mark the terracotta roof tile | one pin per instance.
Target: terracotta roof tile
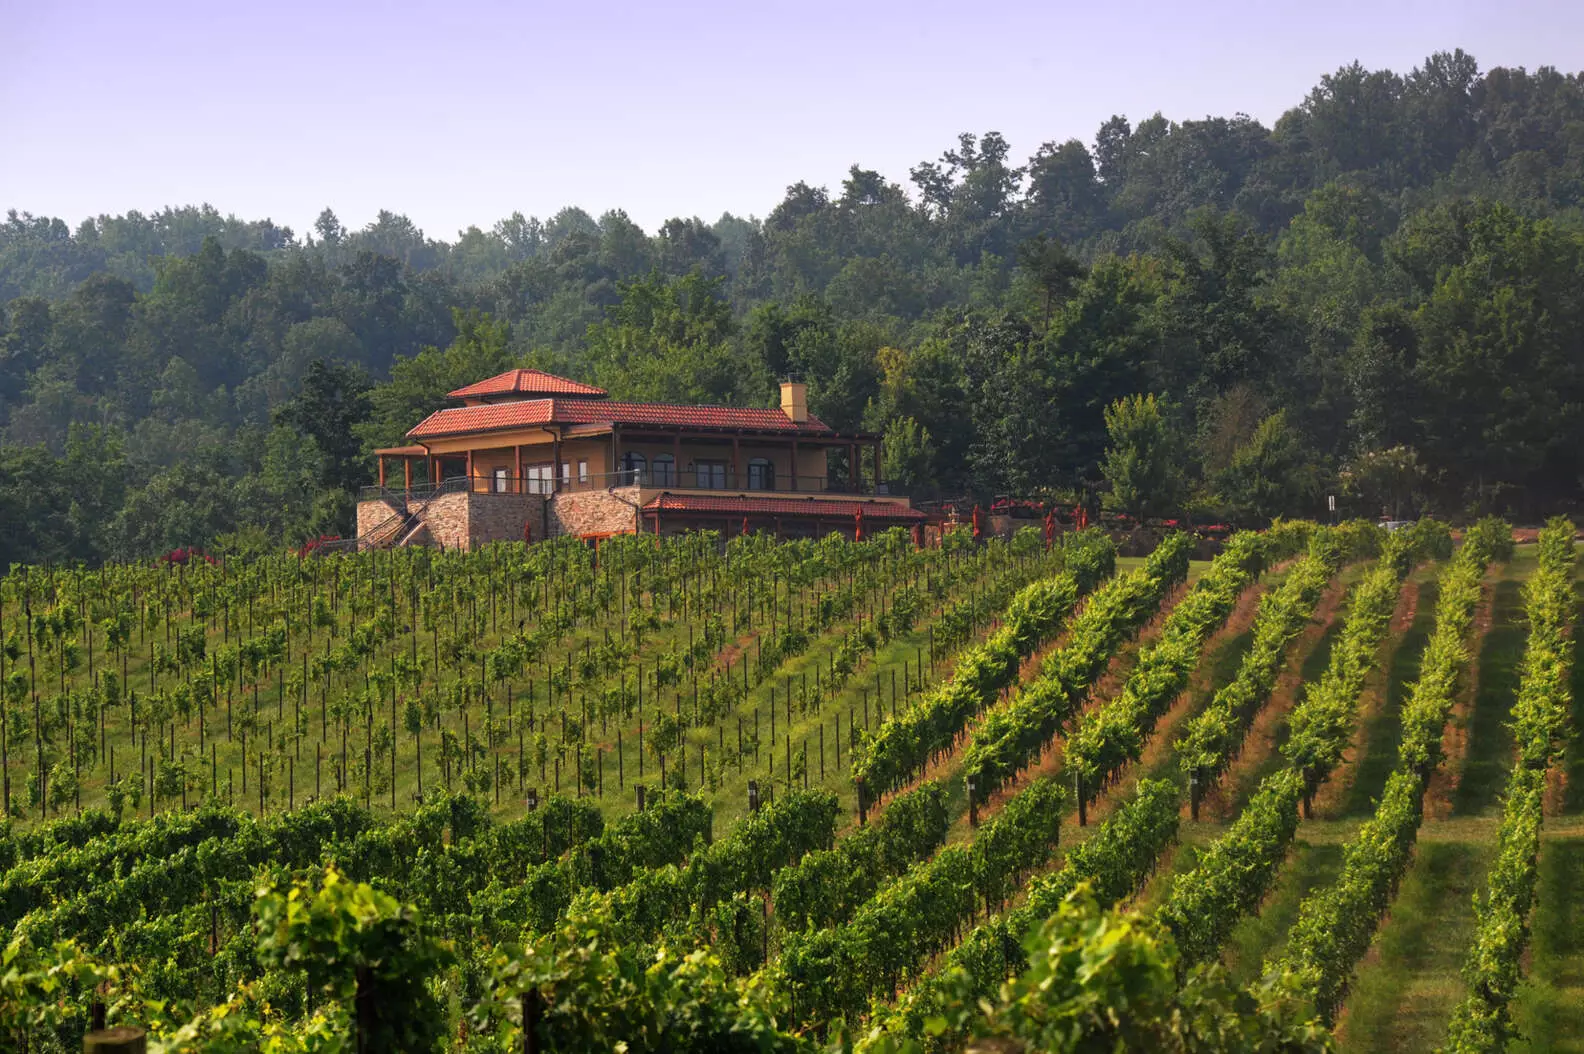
(526, 382)
(461, 419)
(737, 505)
(531, 412)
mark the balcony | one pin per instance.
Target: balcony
(706, 481)
(720, 479)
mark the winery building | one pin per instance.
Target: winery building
(527, 454)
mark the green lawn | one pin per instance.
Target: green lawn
(1404, 992)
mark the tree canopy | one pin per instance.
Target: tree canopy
(1381, 297)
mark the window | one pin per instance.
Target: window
(540, 480)
(664, 471)
(711, 475)
(633, 465)
(582, 471)
(502, 481)
(761, 474)
(566, 475)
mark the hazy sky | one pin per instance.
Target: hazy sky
(462, 112)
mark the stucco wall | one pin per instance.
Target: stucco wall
(592, 455)
(811, 461)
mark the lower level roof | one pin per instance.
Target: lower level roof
(824, 508)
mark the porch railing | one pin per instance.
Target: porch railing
(661, 479)
(719, 479)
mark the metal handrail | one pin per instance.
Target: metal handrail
(727, 480)
(671, 479)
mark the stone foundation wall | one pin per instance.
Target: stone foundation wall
(501, 517)
(467, 521)
(595, 512)
(372, 514)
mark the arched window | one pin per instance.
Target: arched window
(633, 465)
(664, 474)
(761, 474)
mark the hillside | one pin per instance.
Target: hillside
(1379, 297)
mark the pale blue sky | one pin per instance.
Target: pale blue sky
(462, 112)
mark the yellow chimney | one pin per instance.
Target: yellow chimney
(794, 400)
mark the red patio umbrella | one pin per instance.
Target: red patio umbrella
(1050, 528)
(978, 523)
(858, 525)
(745, 525)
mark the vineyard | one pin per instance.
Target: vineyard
(1317, 791)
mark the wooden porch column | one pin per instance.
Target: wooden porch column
(407, 474)
(517, 455)
(854, 468)
(615, 465)
(794, 479)
(879, 473)
(737, 480)
(555, 464)
(380, 461)
(676, 461)
(433, 471)
(472, 483)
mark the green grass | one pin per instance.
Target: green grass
(1573, 760)
(1549, 1010)
(1383, 729)
(1259, 937)
(1404, 991)
(1490, 743)
(1403, 994)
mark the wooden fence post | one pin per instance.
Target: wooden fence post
(122, 1039)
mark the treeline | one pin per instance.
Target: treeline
(1380, 297)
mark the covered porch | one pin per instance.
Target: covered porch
(784, 517)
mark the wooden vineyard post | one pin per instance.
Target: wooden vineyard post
(122, 1039)
(753, 796)
(973, 802)
(639, 788)
(1193, 795)
(533, 1010)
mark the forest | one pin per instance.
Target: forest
(1381, 297)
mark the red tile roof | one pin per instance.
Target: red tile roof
(738, 505)
(462, 419)
(528, 413)
(526, 382)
